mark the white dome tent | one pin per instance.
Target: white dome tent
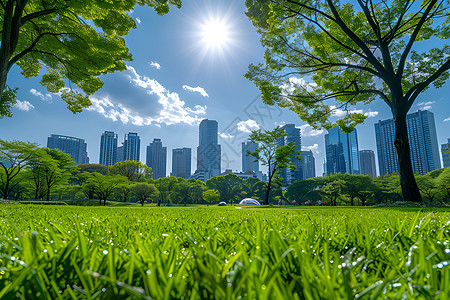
(249, 202)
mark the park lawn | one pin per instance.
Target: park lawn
(73, 252)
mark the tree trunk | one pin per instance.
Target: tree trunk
(10, 35)
(410, 190)
(266, 201)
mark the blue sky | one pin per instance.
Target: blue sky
(175, 80)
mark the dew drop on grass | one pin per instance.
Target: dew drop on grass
(105, 252)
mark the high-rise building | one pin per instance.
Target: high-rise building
(120, 153)
(157, 158)
(367, 161)
(308, 165)
(181, 162)
(423, 143)
(294, 136)
(445, 149)
(248, 163)
(342, 152)
(208, 151)
(108, 148)
(131, 147)
(77, 148)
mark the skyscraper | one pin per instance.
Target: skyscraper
(108, 148)
(76, 147)
(367, 160)
(445, 149)
(308, 165)
(131, 147)
(181, 162)
(157, 158)
(294, 136)
(120, 153)
(342, 152)
(423, 143)
(248, 163)
(208, 150)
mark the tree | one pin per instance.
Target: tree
(165, 186)
(91, 168)
(323, 51)
(133, 170)
(58, 169)
(143, 191)
(180, 192)
(227, 185)
(211, 196)
(14, 156)
(300, 190)
(443, 182)
(332, 190)
(271, 155)
(76, 40)
(196, 188)
(427, 186)
(103, 185)
(34, 173)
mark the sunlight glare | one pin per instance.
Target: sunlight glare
(215, 34)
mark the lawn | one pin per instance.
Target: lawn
(72, 252)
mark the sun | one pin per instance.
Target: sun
(215, 33)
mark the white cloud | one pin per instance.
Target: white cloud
(225, 135)
(156, 105)
(154, 64)
(371, 114)
(196, 89)
(47, 97)
(308, 131)
(295, 83)
(138, 20)
(426, 105)
(247, 126)
(23, 105)
(446, 120)
(314, 148)
(337, 112)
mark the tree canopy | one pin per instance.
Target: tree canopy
(322, 56)
(75, 40)
(272, 155)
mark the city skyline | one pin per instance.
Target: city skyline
(295, 130)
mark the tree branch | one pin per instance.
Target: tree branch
(412, 94)
(412, 39)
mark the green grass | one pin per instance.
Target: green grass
(69, 252)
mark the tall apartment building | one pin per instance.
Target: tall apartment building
(77, 148)
(308, 165)
(157, 158)
(367, 161)
(423, 143)
(294, 136)
(445, 150)
(108, 148)
(248, 163)
(342, 152)
(181, 162)
(209, 151)
(131, 147)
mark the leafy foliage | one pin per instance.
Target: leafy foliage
(73, 40)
